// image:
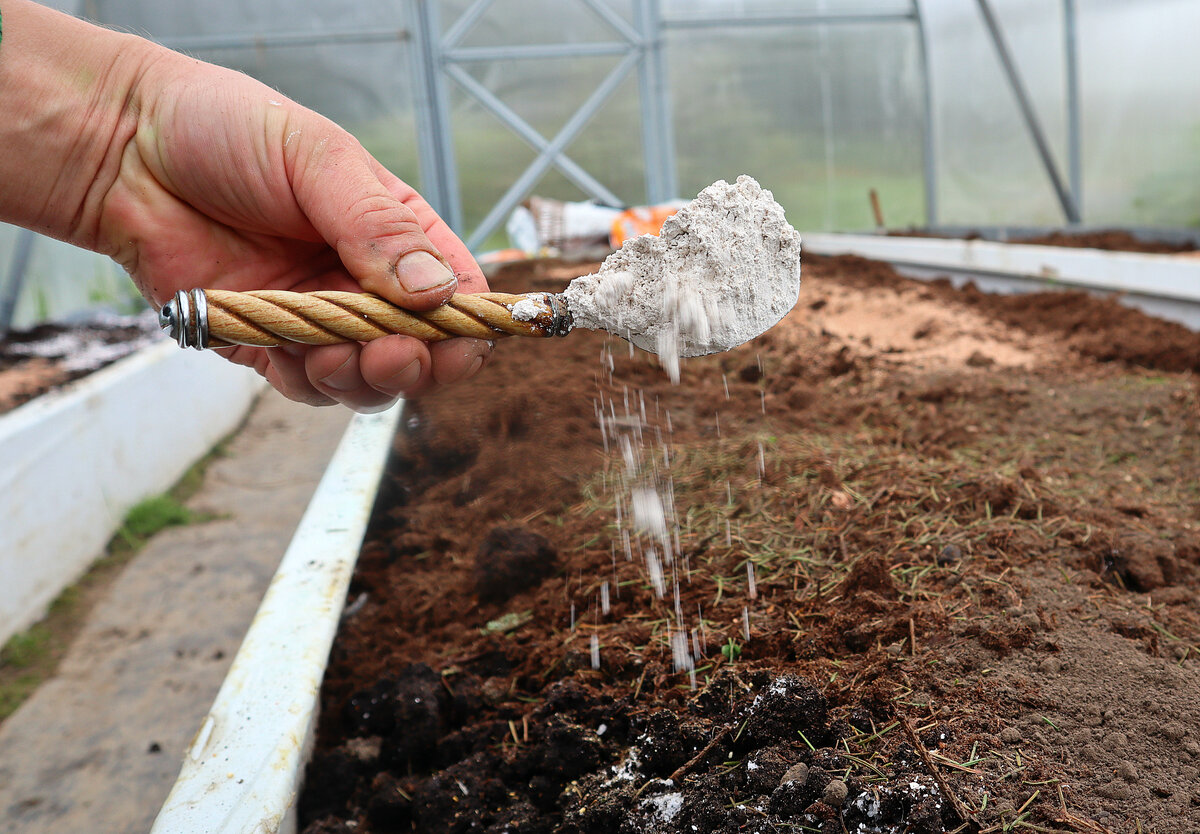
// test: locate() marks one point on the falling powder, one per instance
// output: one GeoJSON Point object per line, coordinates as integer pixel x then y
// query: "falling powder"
{"type": "Point", "coordinates": [648, 513]}
{"type": "Point", "coordinates": [723, 270]}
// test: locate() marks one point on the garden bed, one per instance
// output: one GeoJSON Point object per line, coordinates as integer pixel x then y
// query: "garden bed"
{"type": "Point", "coordinates": [935, 566]}
{"type": "Point", "coordinates": [48, 356]}
{"type": "Point", "coordinates": [1111, 240]}
{"type": "Point", "coordinates": [1162, 285]}
{"type": "Point", "coordinates": [1151, 242]}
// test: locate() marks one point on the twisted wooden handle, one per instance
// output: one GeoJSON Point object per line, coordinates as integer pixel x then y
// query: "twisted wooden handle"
{"type": "Point", "coordinates": [269, 318]}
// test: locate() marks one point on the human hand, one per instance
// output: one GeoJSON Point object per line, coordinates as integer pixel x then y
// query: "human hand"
{"type": "Point", "coordinates": [226, 184]}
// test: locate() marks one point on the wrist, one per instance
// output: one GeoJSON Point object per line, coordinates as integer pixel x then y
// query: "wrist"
{"type": "Point", "coordinates": [68, 107]}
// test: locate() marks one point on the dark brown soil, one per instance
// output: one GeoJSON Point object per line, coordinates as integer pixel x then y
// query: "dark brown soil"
{"type": "Point", "coordinates": [936, 564]}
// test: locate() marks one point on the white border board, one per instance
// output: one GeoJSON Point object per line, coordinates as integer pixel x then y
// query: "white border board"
{"type": "Point", "coordinates": [75, 460]}
{"type": "Point", "coordinates": [1163, 285]}
{"type": "Point", "coordinates": [243, 769]}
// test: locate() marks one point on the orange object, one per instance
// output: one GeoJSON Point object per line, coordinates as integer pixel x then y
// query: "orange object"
{"type": "Point", "coordinates": [503, 256]}
{"type": "Point", "coordinates": [642, 220]}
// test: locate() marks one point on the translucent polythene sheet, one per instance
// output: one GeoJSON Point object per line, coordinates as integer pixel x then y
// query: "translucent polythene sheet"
{"type": "Point", "coordinates": [754, 97]}
{"type": "Point", "coordinates": [820, 110]}
{"type": "Point", "coordinates": [821, 114]}
{"type": "Point", "coordinates": [1139, 72]}
{"type": "Point", "coordinates": [818, 114]}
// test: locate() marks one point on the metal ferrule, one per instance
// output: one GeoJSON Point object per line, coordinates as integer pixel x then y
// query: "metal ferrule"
{"type": "Point", "coordinates": [562, 322]}
{"type": "Point", "coordinates": [185, 319]}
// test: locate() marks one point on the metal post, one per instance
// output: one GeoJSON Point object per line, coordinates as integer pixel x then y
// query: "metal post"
{"type": "Point", "coordinates": [826, 89]}
{"type": "Point", "coordinates": [658, 141]}
{"type": "Point", "coordinates": [16, 279]}
{"type": "Point", "coordinates": [1074, 150]}
{"type": "Point", "coordinates": [666, 129]}
{"type": "Point", "coordinates": [1065, 200]}
{"type": "Point", "coordinates": [648, 107]}
{"type": "Point", "coordinates": [928, 139]}
{"type": "Point", "coordinates": [439, 171]}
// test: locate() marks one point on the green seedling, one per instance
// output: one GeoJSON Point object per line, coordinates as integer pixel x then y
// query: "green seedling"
{"type": "Point", "coordinates": [731, 650]}
{"type": "Point", "coordinates": [508, 622]}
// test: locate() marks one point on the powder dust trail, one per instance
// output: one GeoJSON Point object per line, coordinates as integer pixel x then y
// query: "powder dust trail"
{"type": "Point", "coordinates": [724, 269]}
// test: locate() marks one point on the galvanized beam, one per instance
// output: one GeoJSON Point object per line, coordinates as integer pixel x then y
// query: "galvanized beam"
{"type": "Point", "coordinates": [520, 188]}
{"type": "Point", "coordinates": [195, 43]}
{"type": "Point", "coordinates": [18, 268]}
{"type": "Point", "coordinates": [1074, 130]}
{"type": "Point", "coordinates": [798, 19]}
{"type": "Point", "coordinates": [572, 170]}
{"type": "Point", "coordinates": [658, 137]}
{"type": "Point", "coordinates": [435, 145]}
{"type": "Point", "coordinates": [928, 137]}
{"type": "Point", "coordinates": [619, 25]}
{"type": "Point", "coordinates": [465, 22]}
{"type": "Point", "coordinates": [1065, 200]}
{"type": "Point", "coordinates": [520, 52]}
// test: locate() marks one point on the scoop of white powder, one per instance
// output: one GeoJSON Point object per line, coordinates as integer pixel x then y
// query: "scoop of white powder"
{"type": "Point", "coordinates": [723, 270]}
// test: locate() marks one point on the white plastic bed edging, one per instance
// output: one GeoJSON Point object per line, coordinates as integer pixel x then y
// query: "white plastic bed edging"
{"type": "Point", "coordinates": [244, 767]}
{"type": "Point", "coordinates": [75, 460]}
{"type": "Point", "coordinates": [1163, 285]}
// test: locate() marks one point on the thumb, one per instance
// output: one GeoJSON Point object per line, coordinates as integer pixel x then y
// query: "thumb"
{"type": "Point", "coordinates": [378, 238]}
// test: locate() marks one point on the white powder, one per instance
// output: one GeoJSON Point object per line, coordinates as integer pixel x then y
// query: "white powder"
{"type": "Point", "coordinates": [648, 512]}
{"type": "Point", "coordinates": [528, 309]}
{"type": "Point", "coordinates": [627, 771]}
{"type": "Point", "coordinates": [722, 271]}
{"type": "Point", "coordinates": [89, 344]}
{"type": "Point", "coordinates": [665, 807]}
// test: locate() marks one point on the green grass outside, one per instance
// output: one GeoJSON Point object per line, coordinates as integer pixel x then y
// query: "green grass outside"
{"type": "Point", "coordinates": [490, 157]}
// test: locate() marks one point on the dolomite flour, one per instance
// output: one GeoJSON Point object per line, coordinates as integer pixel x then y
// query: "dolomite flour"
{"type": "Point", "coordinates": [724, 269]}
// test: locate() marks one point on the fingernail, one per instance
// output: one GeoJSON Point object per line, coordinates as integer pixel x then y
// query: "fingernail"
{"type": "Point", "coordinates": [294, 350]}
{"type": "Point", "coordinates": [469, 369]}
{"type": "Point", "coordinates": [473, 368]}
{"type": "Point", "coordinates": [345, 378]}
{"type": "Point", "coordinates": [405, 378]}
{"type": "Point", "coordinates": [418, 271]}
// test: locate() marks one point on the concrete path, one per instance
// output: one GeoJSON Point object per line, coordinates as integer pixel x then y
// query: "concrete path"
{"type": "Point", "coordinates": [98, 747]}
